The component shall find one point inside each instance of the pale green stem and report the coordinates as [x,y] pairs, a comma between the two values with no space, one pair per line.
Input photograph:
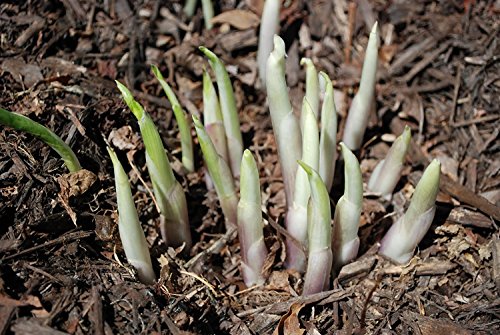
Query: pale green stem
[212,117]
[269,25]
[131,233]
[348,212]
[190,7]
[208,13]
[312,87]
[328,138]
[319,233]
[285,124]
[229,111]
[363,102]
[403,237]
[296,217]
[220,174]
[250,225]
[386,174]
[21,122]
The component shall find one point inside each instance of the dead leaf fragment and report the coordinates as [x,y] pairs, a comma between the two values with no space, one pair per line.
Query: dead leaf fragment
[289,323]
[238,18]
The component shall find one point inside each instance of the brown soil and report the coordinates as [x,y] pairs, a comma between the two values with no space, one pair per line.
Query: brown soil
[62,268]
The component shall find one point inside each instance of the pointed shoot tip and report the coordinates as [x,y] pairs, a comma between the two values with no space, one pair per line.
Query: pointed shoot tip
[306,167]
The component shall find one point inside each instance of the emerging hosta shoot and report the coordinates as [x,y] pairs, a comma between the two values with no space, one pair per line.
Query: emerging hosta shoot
[221,175]
[404,235]
[319,235]
[250,226]
[269,25]
[190,7]
[296,216]
[131,233]
[328,138]
[21,122]
[213,117]
[348,212]
[312,87]
[208,12]
[182,121]
[229,112]
[363,102]
[285,125]
[168,192]
[386,174]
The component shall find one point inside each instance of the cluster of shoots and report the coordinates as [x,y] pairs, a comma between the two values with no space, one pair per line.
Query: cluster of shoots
[307,153]
[315,245]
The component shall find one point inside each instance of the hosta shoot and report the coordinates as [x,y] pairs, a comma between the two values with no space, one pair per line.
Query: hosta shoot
[296,217]
[345,242]
[363,102]
[220,173]
[229,111]
[212,117]
[182,121]
[131,233]
[328,138]
[250,225]
[285,125]
[312,87]
[21,122]
[319,229]
[168,191]
[386,174]
[269,25]
[403,237]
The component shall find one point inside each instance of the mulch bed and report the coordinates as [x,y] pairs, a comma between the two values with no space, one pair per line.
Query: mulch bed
[62,268]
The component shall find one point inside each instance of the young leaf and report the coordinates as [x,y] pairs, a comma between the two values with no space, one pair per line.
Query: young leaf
[182,121]
[328,138]
[386,174]
[220,174]
[229,112]
[21,122]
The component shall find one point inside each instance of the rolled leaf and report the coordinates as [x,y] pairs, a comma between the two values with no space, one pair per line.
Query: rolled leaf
[348,212]
[269,25]
[190,7]
[21,122]
[363,102]
[131,233]
[296,216]
[208,13]
[229,112]
[221,176]
[328,138]
[403,237]
[212,117]
[182,121]
[319,235]
[250,225]
[168,192]
[312,87]
[285,124]
[386,174]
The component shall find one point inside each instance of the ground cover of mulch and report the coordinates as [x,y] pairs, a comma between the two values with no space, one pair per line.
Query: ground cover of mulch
[62,268]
